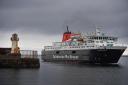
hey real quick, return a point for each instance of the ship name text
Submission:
(66, 56)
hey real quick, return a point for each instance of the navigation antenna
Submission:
(98, 30)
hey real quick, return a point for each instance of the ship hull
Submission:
(84, 55)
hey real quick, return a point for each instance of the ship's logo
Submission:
(66, 56)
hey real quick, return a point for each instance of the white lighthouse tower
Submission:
(15, 49)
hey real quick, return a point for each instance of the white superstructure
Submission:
(89, 41)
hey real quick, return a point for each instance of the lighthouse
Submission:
(15, 49)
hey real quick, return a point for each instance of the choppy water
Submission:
(68, 74)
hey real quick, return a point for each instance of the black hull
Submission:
(84, 56)
(105, 56)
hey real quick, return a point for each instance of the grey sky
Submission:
(50, 17)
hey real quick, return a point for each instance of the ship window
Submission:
(57, 52)
(101, 41)
(97, 41)
(109, 38)
(106, 38)
(112, 38)
(99, 37)
(103, 38)
(73, 52)
(94, 37)
(83, 47)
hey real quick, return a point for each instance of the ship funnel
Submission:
(67, 29)
(66, 35)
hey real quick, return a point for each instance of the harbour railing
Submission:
(29, 53)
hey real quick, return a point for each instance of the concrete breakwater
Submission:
(12, 62)
(25, 60)
(16, 58)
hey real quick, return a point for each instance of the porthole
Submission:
(73, 52)
(57, 52)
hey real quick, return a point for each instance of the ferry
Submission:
(96, 47)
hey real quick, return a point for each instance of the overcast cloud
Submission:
(50, 17)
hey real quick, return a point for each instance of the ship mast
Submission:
(98, 31)
(67, 29)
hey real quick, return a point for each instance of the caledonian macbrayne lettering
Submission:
(66, 56)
